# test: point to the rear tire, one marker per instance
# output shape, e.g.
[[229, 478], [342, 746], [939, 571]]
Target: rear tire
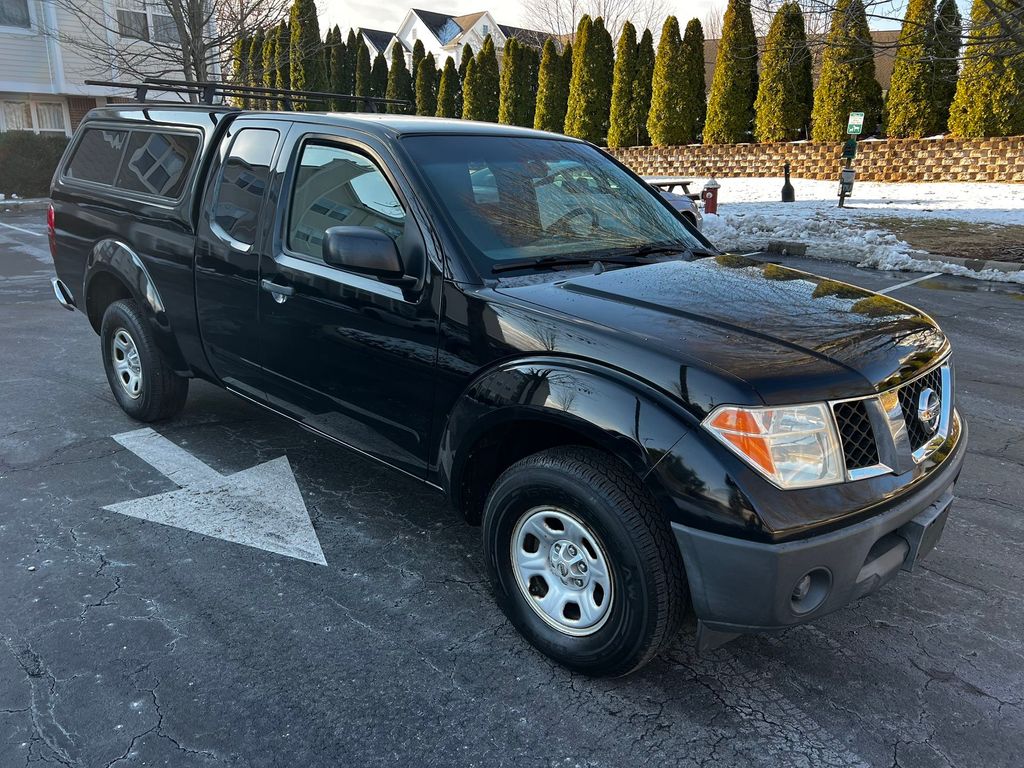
[[578, 507], [142, 383]]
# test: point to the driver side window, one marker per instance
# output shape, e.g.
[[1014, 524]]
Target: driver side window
[[337, 187]]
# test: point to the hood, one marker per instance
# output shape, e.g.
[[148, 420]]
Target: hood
[[791, 336]]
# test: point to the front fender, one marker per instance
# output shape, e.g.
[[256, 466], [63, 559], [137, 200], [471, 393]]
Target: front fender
[[630, 419], [113, 258]]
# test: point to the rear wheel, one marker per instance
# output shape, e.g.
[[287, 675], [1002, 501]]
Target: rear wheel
[[142, 383], [582, 562]]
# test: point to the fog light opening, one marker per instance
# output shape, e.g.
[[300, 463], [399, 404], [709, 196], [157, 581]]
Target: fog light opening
[[810, 590]]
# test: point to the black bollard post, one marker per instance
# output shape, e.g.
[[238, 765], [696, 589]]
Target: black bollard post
[[788, 193]]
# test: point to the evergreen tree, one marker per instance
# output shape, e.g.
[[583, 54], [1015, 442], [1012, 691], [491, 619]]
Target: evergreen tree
[[485, 81], [378, 75], [364, 80], [730, 116], [284, 36], [785, 92], [514, 90], [305, 51], [470, 108], [590, 88], [240, 67], [418, 52], [911, 108], [695, 76], [400, 83], [640, 100], [532, 81], [340, 78], [270, 65], [948, 28], [351, 45], [847, 80], [989, 97], [622, 131], [552, 90], [426, 85], [256, 67], [448, 90], [672, 119], [464, 59]]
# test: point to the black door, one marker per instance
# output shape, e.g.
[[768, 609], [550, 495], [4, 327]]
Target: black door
[[231, 229], [346, 354]]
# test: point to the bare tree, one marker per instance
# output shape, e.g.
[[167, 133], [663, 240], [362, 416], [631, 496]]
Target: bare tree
[[191, 39], [713, 22], [560, 17]]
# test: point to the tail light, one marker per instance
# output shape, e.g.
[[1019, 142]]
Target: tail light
[[51, 231]]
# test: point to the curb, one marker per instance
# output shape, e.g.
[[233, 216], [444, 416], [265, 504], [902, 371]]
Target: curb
[[28, 204], [786, 248]]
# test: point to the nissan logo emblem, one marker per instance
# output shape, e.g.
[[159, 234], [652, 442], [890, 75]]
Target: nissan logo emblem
[[929, 409]]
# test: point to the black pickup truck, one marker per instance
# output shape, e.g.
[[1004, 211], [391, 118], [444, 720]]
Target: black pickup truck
[[638, 421]]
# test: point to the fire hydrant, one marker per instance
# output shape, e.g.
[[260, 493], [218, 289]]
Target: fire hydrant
[[710, 195]]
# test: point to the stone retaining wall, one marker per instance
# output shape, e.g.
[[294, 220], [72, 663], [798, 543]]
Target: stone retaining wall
[[945, 159]]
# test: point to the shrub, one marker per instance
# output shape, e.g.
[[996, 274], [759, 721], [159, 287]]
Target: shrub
[[426, 87], [734, 86], [693, 63], [641, 99], [590, 88], [785, 93], [448, 91], [670, 122], [400, 83], [29, 161], [847, 81], [911, 108], [621, 130], [552, 91], [989, 97]]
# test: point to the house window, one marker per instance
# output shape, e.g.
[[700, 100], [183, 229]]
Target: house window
[[17, 116], [132, 23], [486, 29], [14, 13], [164, 29], [50, 117]]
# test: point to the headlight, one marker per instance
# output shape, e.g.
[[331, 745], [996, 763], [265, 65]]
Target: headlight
[[793, 446]]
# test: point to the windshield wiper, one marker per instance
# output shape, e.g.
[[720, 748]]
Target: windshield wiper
[[655, 250], [561, 261]]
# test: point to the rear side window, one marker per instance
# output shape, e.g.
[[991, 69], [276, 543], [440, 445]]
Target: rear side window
[[147, 162], [157, 163], [98, 156], [243, 181]]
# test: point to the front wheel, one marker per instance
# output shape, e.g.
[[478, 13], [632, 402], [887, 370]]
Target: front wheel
[[582, 562], [143, 384]]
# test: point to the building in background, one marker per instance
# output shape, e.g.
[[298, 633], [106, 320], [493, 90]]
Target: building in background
[[444, 35], [42, 75]]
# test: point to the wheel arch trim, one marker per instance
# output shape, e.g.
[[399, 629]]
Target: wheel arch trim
[[608, 409]]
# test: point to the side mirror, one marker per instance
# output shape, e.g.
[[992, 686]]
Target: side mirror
[[365, 251]]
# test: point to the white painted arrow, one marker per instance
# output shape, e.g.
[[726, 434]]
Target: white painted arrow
[[259, 507]]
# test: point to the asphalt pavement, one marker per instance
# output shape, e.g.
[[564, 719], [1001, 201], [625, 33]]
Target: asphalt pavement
[[130, 642]]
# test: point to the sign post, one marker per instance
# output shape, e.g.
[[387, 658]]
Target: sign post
[[854, 127]]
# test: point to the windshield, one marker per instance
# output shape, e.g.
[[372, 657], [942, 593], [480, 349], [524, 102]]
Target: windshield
[[515, 199]]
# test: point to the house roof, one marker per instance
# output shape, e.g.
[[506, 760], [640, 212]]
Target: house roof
[[531, 37], [378, 37], [466, 21]]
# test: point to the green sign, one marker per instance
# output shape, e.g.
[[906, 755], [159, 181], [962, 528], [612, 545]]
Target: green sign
[[855, 125], [850, 148]]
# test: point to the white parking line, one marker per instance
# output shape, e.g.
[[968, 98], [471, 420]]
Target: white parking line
[[20, 229], [896, 287]]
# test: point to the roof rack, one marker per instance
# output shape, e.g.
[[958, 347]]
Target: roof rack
[[208, 91]]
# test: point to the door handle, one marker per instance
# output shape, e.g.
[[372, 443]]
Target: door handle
[[279, 292]]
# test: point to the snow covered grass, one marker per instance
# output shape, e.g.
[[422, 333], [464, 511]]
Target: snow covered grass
[[751, 215]]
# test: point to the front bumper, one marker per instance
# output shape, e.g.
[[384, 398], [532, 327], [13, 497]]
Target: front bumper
[[739, 586]]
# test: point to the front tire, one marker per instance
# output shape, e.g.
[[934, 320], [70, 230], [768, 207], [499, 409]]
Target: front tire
[[142, 383], [582, 561]]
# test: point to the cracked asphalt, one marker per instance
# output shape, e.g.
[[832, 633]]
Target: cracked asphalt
[[128, 643]]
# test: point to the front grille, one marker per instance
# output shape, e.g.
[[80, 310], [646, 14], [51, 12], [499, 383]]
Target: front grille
[[859, 447], [909, 395]]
